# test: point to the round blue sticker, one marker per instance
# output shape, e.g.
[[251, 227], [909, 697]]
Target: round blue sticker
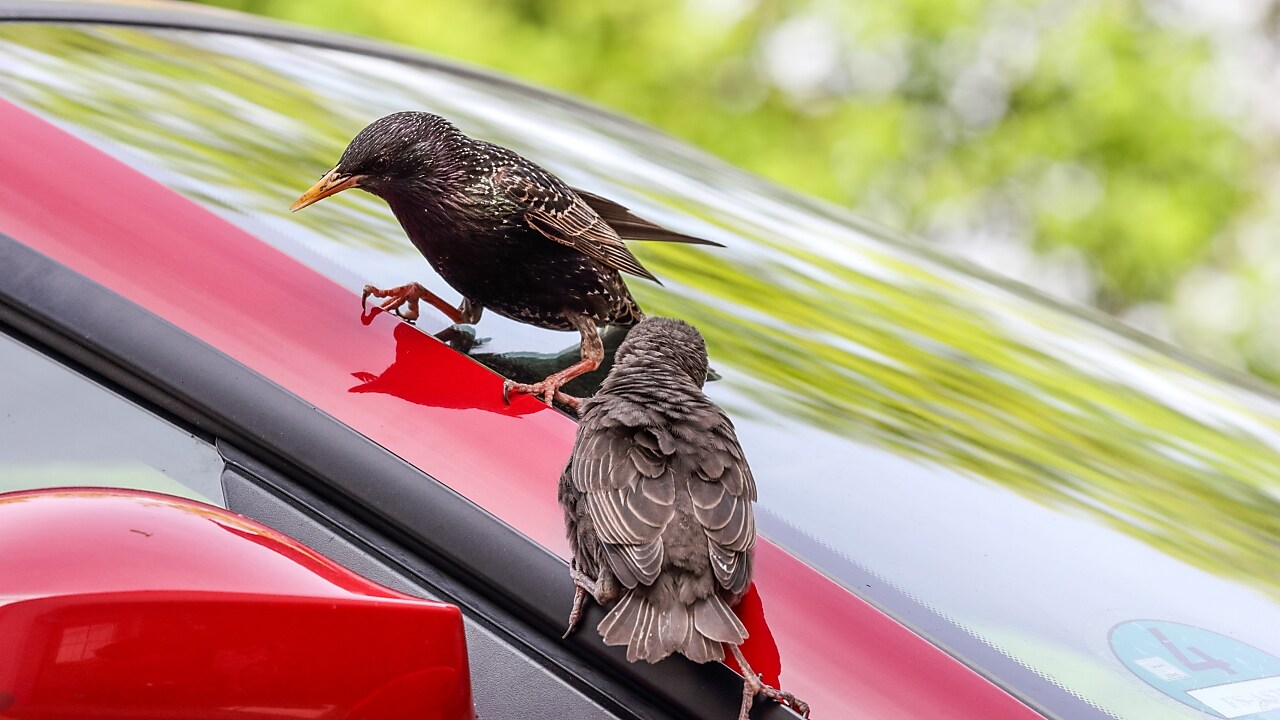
[[1213, 673]]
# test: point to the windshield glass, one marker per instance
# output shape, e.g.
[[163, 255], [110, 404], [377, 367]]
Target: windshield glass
[[60, 429], [1055, 502]]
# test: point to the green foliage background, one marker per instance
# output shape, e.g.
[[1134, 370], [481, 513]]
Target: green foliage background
[[1116, 153]]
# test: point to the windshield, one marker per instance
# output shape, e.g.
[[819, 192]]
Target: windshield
[[1057, 503]]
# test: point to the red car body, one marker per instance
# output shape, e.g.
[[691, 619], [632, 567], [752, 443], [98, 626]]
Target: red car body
[[108, 625]]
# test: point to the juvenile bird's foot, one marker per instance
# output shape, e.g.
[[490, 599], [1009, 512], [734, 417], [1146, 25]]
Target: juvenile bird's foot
[[548, 390], [752, 686], [579, 597], [409, 295], [584, 585]]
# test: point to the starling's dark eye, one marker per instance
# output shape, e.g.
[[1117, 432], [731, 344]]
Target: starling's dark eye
[[378, 165]]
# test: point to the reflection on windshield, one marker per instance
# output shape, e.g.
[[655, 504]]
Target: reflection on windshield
[[1031, 476]]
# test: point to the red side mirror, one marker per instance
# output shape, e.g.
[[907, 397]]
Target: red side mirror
[[123, 604]]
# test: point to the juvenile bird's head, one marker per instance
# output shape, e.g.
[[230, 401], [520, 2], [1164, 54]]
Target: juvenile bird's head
[[393, 155], [668, 343]]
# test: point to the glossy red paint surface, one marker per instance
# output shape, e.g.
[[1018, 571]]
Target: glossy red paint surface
[[436, 409], [125, 604]]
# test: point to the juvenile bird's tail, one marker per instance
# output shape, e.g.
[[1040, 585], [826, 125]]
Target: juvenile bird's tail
[[653, 623]]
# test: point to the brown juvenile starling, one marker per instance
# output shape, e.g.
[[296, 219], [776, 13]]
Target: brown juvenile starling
[[502, 231], [657, 505]]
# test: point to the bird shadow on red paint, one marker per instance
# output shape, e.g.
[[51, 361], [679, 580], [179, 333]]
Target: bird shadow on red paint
[[426, 371]]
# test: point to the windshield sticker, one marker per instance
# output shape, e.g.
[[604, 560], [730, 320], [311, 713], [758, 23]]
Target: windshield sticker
[[1215, 674]]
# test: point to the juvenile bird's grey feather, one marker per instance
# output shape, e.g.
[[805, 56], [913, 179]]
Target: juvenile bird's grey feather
[[657, 498]]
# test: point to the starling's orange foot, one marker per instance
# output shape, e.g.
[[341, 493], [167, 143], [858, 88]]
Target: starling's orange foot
[[548, 390], [408, 295], [395, 298]]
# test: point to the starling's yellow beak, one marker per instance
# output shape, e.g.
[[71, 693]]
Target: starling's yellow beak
[[332, 183]]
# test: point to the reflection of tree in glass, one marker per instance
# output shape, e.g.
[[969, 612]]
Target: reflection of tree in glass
[[811, 317], [232, 137]]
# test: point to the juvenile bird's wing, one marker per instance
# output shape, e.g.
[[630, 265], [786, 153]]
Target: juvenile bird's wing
[[723, 491], [633, 227], [623, 473], [556, 211]]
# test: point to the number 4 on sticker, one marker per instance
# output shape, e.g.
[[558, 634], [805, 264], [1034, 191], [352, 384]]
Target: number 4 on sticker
[[1206, 661]]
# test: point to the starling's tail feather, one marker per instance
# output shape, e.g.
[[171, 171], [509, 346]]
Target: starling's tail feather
[[633, 227], [653, 630]]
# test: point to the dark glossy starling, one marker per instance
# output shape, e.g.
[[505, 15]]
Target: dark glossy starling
[[505, 233], [657, 502]]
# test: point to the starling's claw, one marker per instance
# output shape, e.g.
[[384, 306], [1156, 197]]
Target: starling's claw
[[537, 390], [568, 401], [549, 388], [752, 686], [782, 696], [408, 294], [584, 585], [583, 582], [410, 316], [548, 391], [579, 597]]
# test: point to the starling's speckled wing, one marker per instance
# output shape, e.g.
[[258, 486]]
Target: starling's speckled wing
[[633, 227], [553, 209]]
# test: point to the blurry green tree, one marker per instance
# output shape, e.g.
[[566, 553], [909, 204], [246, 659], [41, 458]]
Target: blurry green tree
[[1120, 153]]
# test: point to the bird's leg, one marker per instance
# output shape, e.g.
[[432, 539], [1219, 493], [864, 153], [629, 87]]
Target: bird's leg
[[603, 590], [582, 585], [753, 686], [579, 597], [549, 389], [410, 294]]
